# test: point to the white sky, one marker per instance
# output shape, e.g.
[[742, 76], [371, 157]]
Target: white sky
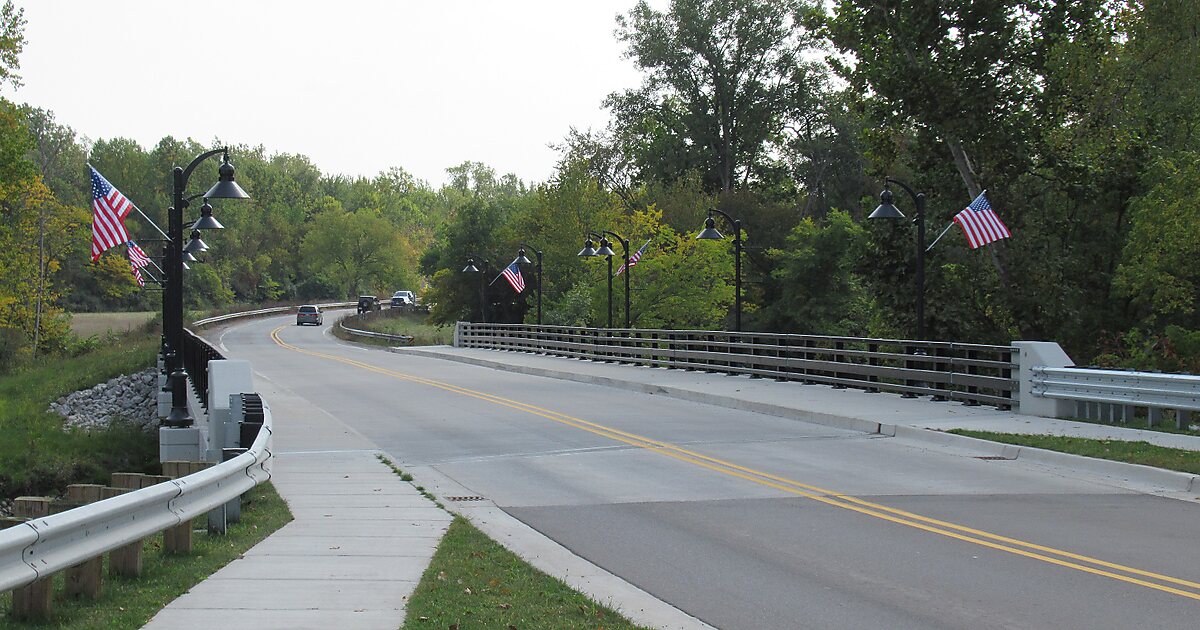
[[358, 86]]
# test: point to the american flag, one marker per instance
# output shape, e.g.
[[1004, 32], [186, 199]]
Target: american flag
[[980, 224], [109, 208], [512, 273], [634, 258], [137, 275], [137, 257]]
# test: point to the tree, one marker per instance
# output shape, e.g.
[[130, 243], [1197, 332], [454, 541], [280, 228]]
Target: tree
[[723, 76], [358, 250], [821, 292], [12, 42]]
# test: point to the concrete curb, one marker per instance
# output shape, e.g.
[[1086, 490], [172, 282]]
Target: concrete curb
[[1133, 476], [553, 559]]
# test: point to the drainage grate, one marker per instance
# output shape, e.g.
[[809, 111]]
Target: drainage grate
[[460, 499], [992, 457]]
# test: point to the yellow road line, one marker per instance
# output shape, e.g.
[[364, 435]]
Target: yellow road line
[[828, 497]]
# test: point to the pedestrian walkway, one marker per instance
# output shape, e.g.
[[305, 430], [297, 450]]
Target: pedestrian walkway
[[360, 541]]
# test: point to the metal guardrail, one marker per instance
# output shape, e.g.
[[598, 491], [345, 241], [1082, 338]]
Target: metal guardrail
[[971, 373], [44, 546], [261, 312], [1115, 395], [370, 334]]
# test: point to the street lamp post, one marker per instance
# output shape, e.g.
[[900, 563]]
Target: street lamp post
[[471, 268], [225, 188], [710, 233], [888, 210], [606, 250], [524, 260]]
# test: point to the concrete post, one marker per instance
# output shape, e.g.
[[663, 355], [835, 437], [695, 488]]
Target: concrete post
[[225, 378], [1041, 354]]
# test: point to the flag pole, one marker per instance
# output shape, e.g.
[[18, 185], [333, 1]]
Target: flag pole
[[939, 237]]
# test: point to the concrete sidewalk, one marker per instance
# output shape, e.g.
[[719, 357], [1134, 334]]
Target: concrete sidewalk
[[360, 541]]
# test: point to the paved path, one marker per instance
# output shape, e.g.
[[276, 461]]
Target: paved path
[[359, 543], [305, 577]]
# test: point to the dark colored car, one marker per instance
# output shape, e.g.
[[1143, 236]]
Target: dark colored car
[[309, 314], [368, 303]]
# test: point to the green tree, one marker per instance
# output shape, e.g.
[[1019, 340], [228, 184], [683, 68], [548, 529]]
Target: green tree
[[822, 293], [358, 250], [722, 78]]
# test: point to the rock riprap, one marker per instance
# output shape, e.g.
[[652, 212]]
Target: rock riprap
[[133, 397]]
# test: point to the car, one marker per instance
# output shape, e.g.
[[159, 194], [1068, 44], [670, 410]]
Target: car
[[367, 303], [309, 314], [402, 299]]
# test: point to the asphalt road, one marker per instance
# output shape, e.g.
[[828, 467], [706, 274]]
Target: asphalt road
[[750, 521]]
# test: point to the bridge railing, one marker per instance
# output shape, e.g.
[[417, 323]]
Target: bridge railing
[[971, 373]]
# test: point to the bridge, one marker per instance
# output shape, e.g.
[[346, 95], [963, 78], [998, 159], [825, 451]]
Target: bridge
[[692, 498]]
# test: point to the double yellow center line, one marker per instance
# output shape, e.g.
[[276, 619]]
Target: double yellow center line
[[1006, 544]]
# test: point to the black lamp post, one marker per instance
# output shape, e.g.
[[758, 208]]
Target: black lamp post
[[471, 268], [225, 188], [606, 250], [710, 233], [524, 260], [888, 210]]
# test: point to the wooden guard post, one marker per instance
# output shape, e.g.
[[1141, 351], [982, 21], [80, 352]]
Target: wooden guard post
[[32, 602], [178, 539]]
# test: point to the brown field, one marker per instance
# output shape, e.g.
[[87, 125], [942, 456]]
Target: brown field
[[88, 324]]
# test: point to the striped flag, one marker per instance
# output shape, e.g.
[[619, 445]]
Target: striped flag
[[137, 257], [109, 208], [634, 258], [512, 273], [980, 224], [137, 275]]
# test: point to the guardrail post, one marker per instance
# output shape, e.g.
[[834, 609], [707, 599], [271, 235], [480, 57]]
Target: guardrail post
[[1183, 419], [33, 602], [178, 539], [84, 579], [126, 561]]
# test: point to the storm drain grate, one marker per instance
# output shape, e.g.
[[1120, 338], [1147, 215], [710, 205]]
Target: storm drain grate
[[461, 499], [992, 457]]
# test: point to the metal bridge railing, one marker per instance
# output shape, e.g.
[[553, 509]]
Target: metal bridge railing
[[971, 373]]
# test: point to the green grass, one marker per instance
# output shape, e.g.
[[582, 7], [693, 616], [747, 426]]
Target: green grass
[[1142, 453], [131, 602], [413, 324], [474, 582], [36, 455]]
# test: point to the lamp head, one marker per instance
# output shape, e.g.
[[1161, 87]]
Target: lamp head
[[886, 209], [206, 220], [471, 268], [605, 248], [589, 248], [710, 231], [226, 188], [195, 246], [522, 258]]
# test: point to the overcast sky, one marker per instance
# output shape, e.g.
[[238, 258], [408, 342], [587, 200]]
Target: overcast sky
[[357, 86]]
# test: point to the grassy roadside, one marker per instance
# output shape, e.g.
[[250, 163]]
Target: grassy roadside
[[412, 324], [474, 582], [131, 602], [1142, 453], [36, 455]]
